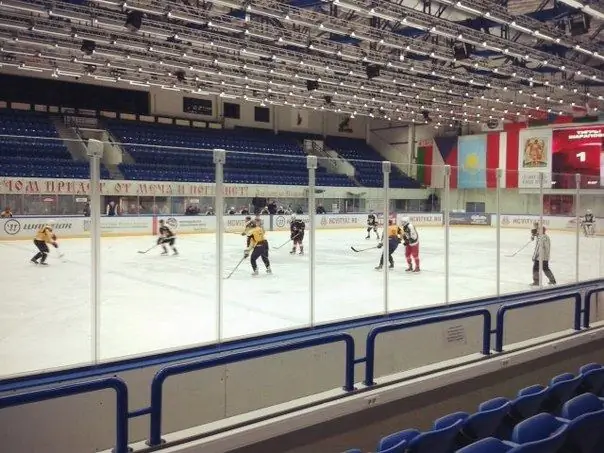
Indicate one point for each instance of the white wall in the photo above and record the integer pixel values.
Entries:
(170, 103)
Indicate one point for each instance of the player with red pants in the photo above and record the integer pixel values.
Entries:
(411, 242)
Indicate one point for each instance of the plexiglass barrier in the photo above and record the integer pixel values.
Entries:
(331, 239)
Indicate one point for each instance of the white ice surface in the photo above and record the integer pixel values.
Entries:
(151, 303)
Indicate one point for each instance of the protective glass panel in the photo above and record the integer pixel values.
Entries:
(347, 232)
(472, 240)
(46, 314)
(266, 285)
(158, 257)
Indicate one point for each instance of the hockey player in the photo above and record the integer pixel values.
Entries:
(44, 236)
(542, 252)
(258, 248)
(395, 234)
(246, 228)
(411, 242)
(372, 224)
(296, 234)
(588, 223)
(166, 237)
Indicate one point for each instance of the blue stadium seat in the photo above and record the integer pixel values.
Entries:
(486, 422)
(585, 415)
(592, 378)
(562, 388)
(542, 433)
(441, 439)
(255, 157)
(31, 147)
(488, 445)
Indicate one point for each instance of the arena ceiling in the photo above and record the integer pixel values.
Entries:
(447, 60)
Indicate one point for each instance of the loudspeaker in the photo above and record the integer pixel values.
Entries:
(134, 20)
(312, 85)
(372, 71)
(88, 46)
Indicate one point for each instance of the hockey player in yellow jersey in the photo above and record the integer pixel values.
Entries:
(44, 236)
(394, 234)
(258, 247)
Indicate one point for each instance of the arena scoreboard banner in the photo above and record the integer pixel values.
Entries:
(469, 218)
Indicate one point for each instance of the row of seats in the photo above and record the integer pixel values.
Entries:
(567, 416)
(148, 172)
(256, 150)
(41, 154)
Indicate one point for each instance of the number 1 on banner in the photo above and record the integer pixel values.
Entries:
(581, 156)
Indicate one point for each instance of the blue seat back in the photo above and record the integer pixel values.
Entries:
(488, 445)
(542, 433)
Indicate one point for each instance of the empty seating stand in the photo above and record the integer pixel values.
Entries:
(368, 163)
(567, 416)
(165, 152)
(30, 146)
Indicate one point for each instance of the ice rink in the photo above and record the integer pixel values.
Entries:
(155, 303)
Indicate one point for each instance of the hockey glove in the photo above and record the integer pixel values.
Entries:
(246, 253)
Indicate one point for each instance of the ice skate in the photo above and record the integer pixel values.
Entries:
(164, 253)
(416, 269)
(409, 269)
(255, 273)
(378, 268)
(268, 270)
(34, 261)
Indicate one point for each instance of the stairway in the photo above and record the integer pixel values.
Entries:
(72, 139)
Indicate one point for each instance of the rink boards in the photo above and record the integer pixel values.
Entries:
(77, 226)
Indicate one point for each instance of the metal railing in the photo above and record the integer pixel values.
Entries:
(500, 329)
(114, 383)
(376, 331)
(155, 409)
(173, 370)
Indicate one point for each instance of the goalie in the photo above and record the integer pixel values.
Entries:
(166, 237)
(588, 224)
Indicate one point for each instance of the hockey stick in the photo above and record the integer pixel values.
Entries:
(235, 268)
(149, 249)
(286, 242)
(364, 249)
(519, 250)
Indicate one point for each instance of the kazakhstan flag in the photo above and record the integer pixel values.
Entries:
(472, 156)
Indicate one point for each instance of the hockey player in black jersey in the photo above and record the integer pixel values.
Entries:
(296, 231)
(372, 224)
(588, 223)
(166, 237)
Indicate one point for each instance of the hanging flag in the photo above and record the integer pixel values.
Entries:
(472, 154)
(424, 163)
(446, 155)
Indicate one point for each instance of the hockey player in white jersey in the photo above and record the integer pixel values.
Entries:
(411, 242)
(588, 224)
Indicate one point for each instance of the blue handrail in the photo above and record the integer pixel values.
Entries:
(587, 308)
(514, 306)
(373, 333)
(117, 384)
(173, 370)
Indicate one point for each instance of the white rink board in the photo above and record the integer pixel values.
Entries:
(78, 227)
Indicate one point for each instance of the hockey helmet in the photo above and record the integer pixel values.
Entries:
(404, 221)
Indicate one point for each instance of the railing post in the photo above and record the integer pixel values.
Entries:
(219, 160)
(311, 165)
(386, 169)
(447, 225)
(499, 175)
(95, 153)
(540, 229)
(578, 226)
